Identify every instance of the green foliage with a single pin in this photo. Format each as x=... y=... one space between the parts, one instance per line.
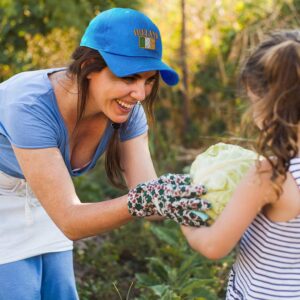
x=113 y=259
x=146 y=261
x=179 y=273
x=22 y=20
x=52 y=50
x=95 y=186
x=160 y=144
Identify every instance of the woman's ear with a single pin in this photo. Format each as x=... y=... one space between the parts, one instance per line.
x=85 y=64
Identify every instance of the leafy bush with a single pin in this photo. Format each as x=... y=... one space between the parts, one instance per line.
x=178 y=272
x=146 y=261
x=108 y=263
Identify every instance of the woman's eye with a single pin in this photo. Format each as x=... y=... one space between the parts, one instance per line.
x=128 y=79
x=150 y=80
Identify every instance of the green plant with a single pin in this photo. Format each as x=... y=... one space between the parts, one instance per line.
x=111 y=260
x=178 y=272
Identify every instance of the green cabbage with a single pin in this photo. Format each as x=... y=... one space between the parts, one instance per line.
x=220 y=168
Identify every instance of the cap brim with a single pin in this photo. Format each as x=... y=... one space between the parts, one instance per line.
x=127 y=65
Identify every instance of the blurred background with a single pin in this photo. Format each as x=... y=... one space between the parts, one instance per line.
x=206 y=42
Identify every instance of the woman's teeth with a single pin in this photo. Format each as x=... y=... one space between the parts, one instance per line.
x=124 y=104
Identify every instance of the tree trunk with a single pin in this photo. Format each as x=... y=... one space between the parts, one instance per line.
x=184 y=69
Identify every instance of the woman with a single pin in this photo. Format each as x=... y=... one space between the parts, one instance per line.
x=55 y=124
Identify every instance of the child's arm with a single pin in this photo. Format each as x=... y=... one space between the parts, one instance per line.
x=253 y=192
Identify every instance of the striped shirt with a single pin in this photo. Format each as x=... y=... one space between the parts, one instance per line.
x=268 y=262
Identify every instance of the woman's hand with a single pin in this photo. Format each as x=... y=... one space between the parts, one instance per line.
x=171 y=196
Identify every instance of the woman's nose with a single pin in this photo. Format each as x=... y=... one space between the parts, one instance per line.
x=139 y=91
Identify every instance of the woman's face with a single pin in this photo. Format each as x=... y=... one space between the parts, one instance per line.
x=114 y=96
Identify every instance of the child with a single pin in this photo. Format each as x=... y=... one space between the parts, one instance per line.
x=264 y=212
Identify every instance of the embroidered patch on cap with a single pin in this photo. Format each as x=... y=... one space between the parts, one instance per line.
x=146 y=43
x=147 y=38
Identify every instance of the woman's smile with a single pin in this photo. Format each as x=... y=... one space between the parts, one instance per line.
x=125 y=106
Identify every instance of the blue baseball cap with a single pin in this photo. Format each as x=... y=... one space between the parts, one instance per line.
x=129 y=42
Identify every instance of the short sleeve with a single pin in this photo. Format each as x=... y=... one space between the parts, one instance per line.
x=136 y=124
x=29 y=126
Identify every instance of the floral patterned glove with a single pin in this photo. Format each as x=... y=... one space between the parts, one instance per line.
x=171 y=196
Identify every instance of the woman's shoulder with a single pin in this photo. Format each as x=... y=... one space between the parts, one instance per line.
x=26 y=86
x=29 y=117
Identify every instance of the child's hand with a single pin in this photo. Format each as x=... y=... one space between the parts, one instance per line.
x=187 y=230
x=171 y=196
x=192 y=235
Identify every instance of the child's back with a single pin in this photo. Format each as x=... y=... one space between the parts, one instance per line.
x=268 y=262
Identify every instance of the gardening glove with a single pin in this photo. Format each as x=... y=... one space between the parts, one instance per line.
x=171 y=196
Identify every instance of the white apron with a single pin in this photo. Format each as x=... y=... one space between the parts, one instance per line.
x=25 y=228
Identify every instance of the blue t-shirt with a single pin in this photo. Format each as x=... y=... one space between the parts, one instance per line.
x=30 y=118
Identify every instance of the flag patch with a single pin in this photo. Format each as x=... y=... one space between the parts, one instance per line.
x=146 y=43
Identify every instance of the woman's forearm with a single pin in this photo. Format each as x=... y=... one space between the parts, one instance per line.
x=89 y=219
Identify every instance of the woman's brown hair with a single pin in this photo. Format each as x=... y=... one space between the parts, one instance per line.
x=86 y=61
x=272 y=74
